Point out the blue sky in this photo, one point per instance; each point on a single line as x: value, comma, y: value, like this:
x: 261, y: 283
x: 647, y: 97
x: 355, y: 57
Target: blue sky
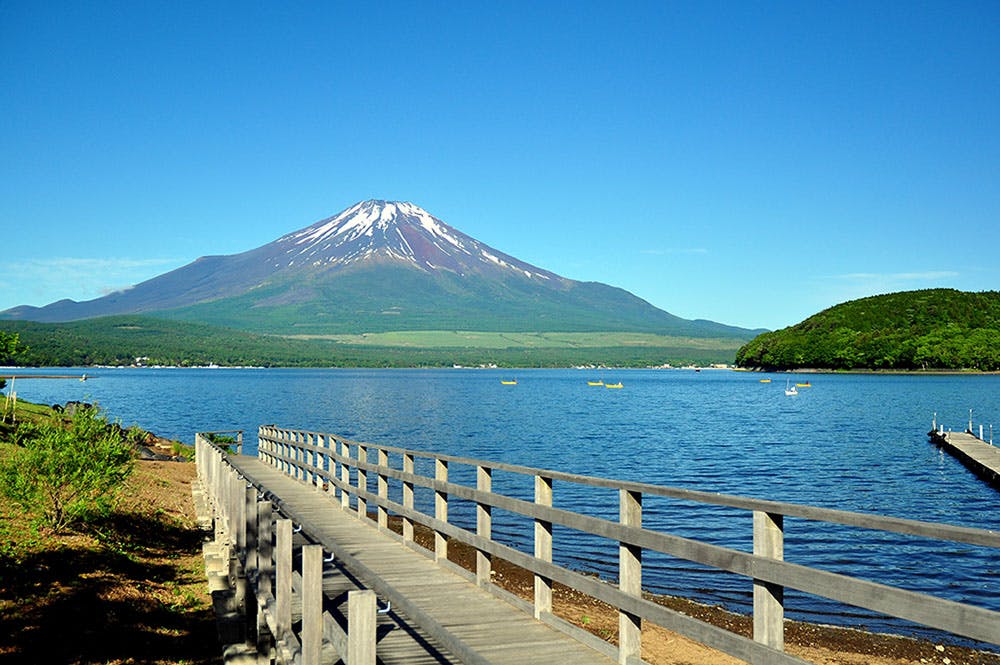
x: 749, y: 163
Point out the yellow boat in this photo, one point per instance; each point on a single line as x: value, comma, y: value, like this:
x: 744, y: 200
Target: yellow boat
x: 595, y: 383
x: 765, y: 380
x: 508, y: 383
x: 613, y: 385
x: 804, y: 385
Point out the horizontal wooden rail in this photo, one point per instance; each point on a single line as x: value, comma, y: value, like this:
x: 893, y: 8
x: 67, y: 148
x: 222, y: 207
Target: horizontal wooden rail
x: 329, y: 462
x: 933, y: 530
x: 275, y: 581
x: 966, y: 620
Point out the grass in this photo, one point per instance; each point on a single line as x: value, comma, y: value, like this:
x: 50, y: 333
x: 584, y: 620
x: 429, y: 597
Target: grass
x: 454, y: 339
x: 126, y: 588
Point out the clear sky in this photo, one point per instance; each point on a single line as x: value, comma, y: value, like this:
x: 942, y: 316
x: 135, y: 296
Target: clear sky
x: 746, y: 162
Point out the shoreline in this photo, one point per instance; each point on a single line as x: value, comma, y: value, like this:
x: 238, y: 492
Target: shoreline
x: 688, y: 368
x: 817, y: 642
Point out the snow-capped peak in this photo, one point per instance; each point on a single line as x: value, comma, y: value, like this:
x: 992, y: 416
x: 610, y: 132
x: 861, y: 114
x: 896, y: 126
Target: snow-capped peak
x: 399, y: 231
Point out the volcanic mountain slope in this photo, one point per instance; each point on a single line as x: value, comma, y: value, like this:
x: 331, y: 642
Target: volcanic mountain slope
x: 379, y: 266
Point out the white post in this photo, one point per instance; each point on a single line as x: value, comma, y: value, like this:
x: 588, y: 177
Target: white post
x: 440, y: 510
x: 312, y: 604
x: 283, y: 578
x: 484, y: 525
x: 361, y: 618
x: 768, y: 598
x: 407, y: 497
x: 383, y: 488
x: 345, y: 475
x: 543, y: 547
x: 362, y: 481
x: 630, y: 578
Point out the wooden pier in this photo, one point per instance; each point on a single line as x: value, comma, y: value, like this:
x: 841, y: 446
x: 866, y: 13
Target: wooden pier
x: 980, y: 457
x: 302, y: 539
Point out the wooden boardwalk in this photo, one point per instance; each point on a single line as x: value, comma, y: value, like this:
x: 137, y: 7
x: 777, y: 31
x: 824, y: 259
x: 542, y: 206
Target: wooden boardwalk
x: 342, y: 494
x: 981, y: 457
x: 480, y: 623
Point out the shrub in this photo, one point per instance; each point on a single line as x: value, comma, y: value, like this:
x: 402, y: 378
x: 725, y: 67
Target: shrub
x: 65, y: 475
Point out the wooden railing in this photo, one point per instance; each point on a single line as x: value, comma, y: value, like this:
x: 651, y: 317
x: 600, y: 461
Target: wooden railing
x: 345, y: 468
x: 260, y: 548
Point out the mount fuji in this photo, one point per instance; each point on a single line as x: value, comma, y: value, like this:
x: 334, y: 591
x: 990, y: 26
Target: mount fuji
x: 379, y: 266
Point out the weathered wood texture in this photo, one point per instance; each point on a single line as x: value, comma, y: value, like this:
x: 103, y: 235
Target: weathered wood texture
x: 978, y: 455
x: 333, y: 461
x: 437, y: 616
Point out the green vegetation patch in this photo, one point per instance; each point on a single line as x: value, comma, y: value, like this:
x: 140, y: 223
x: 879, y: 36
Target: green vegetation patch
x: 128, y: 340
x: 66, y: 473
x: 436, y: 339
x: 933, y: 329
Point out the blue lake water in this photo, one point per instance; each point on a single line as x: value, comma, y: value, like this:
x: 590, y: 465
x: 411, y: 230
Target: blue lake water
x: 851, y: 442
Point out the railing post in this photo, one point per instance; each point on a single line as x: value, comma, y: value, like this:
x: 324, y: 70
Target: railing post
x: 283, y: 578
x: 629, y: 578
x: 308, y: 459
x: 383, y: 488
x: 768, y: 599
x: 362, y: 480
x: 440, y: 510
x: 250, y: 557
x: 407, y: 498
x: 312, y: 604
x: 361, y: 618
x: 240, y: 514
x: 251, y: 529
x: 237, y: 524
x: 345, y: 475
x: 543, y: 547
x: 330, y: 446
x: 484, y: 525
x: 265, y: 568
x: 320, y: 460
x: 265, y: 549
x: 299, y: 456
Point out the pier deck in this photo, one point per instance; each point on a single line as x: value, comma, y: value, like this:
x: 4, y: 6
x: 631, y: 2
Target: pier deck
x: 494, y: 630
x: 978, y: 455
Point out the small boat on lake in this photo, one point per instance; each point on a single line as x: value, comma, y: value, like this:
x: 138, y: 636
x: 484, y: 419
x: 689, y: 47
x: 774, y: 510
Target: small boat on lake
x: 790, y: 390
x: 765, y: 380
x: 613, y: 385
x: 512, y: 382
x: 804, y: 385
x: 595, y: 383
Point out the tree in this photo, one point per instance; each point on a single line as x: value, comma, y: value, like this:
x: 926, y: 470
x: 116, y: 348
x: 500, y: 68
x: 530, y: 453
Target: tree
x: 65, y: 475
x: 9, y: 347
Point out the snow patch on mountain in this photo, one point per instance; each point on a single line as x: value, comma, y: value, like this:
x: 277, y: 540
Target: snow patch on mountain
x: 400, y: 231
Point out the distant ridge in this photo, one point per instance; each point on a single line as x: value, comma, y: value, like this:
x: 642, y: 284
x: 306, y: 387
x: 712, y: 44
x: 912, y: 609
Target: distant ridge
x: 379, y: 266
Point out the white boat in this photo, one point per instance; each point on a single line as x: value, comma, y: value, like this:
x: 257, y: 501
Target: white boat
x: 790, y: 390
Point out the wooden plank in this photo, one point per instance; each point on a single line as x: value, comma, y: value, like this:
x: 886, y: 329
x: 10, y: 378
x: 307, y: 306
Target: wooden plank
x: 893, y: 524
x: 469, y: 613
x: 979, y: 456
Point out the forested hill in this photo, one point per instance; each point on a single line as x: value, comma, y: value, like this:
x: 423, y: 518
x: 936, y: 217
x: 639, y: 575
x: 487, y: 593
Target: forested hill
x: 910, y: 330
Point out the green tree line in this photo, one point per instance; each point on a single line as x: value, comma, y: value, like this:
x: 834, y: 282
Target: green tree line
x: 119, y: 341
x: 910, y: 330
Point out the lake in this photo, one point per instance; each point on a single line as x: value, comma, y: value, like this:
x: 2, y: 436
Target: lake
x: 850, y: 442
